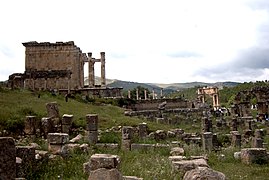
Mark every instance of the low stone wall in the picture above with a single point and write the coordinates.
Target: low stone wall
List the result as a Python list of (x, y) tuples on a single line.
[(153, 104)]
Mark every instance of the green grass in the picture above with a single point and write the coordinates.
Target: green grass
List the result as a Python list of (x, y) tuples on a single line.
[(16, 104)]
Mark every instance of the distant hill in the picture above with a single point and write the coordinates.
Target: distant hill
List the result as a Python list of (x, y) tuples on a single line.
[(167, 88)]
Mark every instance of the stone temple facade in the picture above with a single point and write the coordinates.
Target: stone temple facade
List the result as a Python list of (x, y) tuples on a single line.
[(59, 66)]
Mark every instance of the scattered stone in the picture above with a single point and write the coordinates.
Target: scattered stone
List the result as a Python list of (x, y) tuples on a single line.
[(177, 151), (254, 155), (204, 173), (76, 139), (105, 174), (186, 165), (237, 155)]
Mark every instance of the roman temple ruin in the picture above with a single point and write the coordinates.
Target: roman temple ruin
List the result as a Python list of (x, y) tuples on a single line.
[(60, 66)]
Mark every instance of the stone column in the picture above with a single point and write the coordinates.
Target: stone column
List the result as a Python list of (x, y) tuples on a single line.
[(137, 94), (153, 94), (207, 141), (45, 84), (206, 125), (47, 126), (90, 70), (66, 123), (103, 70), (30, 125), (92, 128), (27, 156), (143, 130), (129, 94), (53, 112), (145, 94), (56, 141), (7, 158), (236, 139), (234, 124), (257, 141), (127, 135)]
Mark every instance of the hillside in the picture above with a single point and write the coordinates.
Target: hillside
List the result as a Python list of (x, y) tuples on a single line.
[(16, 104)]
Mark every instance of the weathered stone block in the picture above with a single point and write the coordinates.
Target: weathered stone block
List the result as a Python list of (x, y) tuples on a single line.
[(236, 139), (52, 110), (55, 148), (160, 135), (177, 151), (257, 142), (143, 130), (105, 174), (30, 125), (187, 165), (66, 128), (47, 126), (131, 178), (92, 122), (107, 161), (67, 119), (254, 155), (207, 141), (126, 145), (204, 173), (91, 137), (127, 132), (7, 158), (58, 138)]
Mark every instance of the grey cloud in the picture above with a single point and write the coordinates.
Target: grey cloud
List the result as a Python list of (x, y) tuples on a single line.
[(184, 54), (249, 64)]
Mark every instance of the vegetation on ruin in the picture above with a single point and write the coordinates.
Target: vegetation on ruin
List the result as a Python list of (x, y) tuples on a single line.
[(154, 164)]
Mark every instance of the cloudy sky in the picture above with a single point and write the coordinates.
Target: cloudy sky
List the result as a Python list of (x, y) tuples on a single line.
[(154, 41)]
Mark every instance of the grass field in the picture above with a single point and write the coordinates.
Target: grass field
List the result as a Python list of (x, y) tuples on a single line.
[(15, 105)]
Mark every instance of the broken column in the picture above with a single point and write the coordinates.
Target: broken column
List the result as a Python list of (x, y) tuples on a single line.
[(47, 126), (66, 123), (257, 141), (30, 125), (234, 124), (56, 141), (206, 125), (92, 128), (207, 142), (127, 135), (236, 139), (7, 158), (53, 112), (27, 160), (143, 130)]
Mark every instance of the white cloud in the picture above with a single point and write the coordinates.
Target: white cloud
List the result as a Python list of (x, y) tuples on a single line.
[(145, 41)]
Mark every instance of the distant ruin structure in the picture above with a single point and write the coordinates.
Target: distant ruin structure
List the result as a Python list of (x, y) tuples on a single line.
[(242, 102), (211, 91), (60, 66)]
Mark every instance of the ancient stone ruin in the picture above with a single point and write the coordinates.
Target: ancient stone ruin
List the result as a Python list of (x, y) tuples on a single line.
[(60, 67), (213, 92)]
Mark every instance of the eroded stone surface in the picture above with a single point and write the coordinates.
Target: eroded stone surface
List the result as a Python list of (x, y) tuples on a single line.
[(7, 158), (204, 173)]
